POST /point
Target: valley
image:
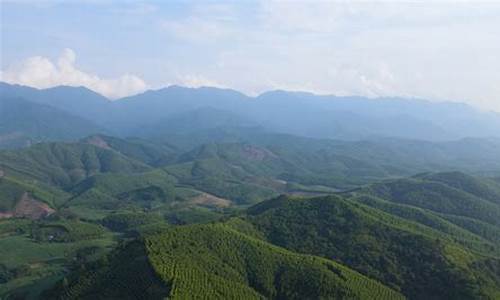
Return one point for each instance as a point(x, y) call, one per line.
point(233, 209)
point(257, 149)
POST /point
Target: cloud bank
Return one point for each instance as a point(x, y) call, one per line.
point(41, 72)
point(436, 50)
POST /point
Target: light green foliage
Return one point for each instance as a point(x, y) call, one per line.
point(12, 189)
point(430, 235)
point(35, 254)
point(214, 261)
point(113, 191)
point(64, 164)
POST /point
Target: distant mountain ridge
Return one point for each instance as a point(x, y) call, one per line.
point(23, 123)
point(78, 101)
point(293, 193)
point(296, 113)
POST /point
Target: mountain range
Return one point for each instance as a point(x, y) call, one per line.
point(208, 193)
point(174, 110)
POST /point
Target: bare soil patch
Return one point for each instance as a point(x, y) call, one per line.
point(210, 200)
point(29, 207)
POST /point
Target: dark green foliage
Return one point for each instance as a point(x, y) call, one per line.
point(460, 206)
point(214, 262)
point(485, 230)
point(15, 226)
point(148, 229)
point(66, 231)
point(480, 187)
point(6, 274)
point(431, 235)
point(461, 198)
point(193, 215)
point(365, 240)
point(480, 237)
point(124, 221)
point(125, 274)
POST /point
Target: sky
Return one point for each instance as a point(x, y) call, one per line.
point(438, 50)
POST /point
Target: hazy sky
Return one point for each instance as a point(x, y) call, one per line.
point(439, 50)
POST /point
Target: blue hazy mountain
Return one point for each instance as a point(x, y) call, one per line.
point(23, 123)
point(297, 113)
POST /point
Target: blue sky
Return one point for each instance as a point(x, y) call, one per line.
point(437, 50)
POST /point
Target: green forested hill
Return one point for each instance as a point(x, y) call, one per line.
point(431, 235)
point(125, 274)
point(447, 193)
point(217, 262)
point(240, 172)
point(273, 249)
point(421, 261)
point(210, 194)
point(146, 151)
point(243, 172)
point(239, 257)
point(64, 164)
point(337, 164)
point(12, 190)
point(485, 188)
point(115, 191)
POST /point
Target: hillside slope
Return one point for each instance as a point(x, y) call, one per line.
point(217, 262)
point(65, 164)
point(77, 101)
point(23, 123)
point(453, 194)
point(18, 199)
point(423, 263)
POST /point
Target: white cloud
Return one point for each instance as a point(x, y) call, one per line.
point(439, 49)
point(435, 49)
point(41, 72)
